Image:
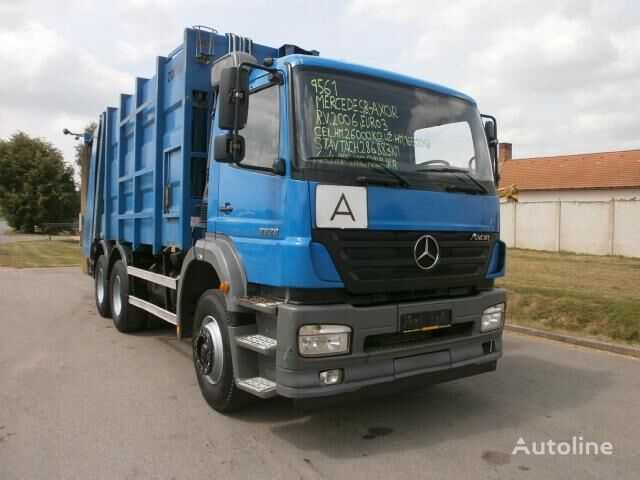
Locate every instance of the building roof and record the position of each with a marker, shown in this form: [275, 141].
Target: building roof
[568, 172]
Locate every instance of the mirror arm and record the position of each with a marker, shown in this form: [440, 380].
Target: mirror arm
[236, 108]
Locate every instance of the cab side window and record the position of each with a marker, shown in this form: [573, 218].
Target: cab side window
[263, 129]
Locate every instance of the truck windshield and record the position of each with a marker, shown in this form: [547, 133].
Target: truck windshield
[427, 139]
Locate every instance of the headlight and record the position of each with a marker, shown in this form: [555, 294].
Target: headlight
[493, 317]
[322, 340]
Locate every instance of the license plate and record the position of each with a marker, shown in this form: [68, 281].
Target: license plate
[424, 321]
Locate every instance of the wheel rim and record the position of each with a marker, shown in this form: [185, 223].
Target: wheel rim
[115, 295]
[209, 350]
[100, 285]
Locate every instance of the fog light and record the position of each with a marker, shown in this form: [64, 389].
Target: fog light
[323, 340]
[493, 317]
[331, 377]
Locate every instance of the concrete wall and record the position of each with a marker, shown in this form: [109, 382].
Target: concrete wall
[537, 225]
[626, 228]
[508, 223]
[584, 227]
[609, 227]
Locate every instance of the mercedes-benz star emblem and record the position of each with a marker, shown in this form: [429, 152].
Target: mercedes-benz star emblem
[426, 252]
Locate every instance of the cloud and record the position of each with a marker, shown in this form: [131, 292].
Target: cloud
[561, 76]
[48, 79]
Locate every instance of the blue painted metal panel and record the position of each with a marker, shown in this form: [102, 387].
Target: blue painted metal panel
[146, 147]
[88, 230]
[291, 258]
[498, 264]
[406, 209]
[286, 259]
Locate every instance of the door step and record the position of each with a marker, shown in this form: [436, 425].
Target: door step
[261, 304]
[258, 386]
[258, 343]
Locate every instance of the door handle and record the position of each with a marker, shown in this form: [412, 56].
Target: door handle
[227, 208]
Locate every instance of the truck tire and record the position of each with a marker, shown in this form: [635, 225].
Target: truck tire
[212, 355]
[102, 287]
[126, 318]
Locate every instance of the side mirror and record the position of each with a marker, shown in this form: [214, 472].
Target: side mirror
[279, 166]
[234, 98]
[490, 131]
[228, 148]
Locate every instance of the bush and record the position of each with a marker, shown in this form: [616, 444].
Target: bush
[36, 186]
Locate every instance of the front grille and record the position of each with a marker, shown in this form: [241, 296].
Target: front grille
[382, 261]
[393, 341]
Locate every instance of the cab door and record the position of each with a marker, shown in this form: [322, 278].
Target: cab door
[250, 199]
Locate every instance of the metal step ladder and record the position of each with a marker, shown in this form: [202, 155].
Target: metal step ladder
[258, 386]
[262, 345]
[255, 349]
[258, 343]
[260, 304]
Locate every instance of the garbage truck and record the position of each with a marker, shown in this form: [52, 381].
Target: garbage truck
[315, 227]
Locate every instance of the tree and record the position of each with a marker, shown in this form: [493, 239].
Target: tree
[36, 186]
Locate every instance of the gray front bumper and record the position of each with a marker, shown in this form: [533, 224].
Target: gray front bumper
[298, 377]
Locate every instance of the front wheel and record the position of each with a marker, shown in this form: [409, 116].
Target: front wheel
[212, 355]
[126, 318]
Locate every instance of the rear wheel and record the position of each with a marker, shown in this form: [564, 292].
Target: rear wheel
[102, 287]
[126, 317]
[212, 355]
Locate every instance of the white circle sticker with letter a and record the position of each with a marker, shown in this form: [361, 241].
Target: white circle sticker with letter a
[338, 206]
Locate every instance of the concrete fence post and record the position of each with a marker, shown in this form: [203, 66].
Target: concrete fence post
[612, 225]
[559, 238]
[515, 224]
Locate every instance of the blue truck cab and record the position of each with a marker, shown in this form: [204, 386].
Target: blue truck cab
[315, 227]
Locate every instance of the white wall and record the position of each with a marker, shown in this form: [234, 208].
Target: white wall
[609, 227]
[537, 225]
[626, 228]
[584, 227]
[508, 223]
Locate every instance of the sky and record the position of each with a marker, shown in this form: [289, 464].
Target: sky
[561, 76]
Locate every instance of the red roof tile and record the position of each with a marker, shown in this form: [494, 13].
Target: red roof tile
[565, 172]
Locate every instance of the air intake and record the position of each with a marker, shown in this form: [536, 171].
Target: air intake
[288, 49]
[236, 43]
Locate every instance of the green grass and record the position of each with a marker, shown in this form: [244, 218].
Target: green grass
[587, 295]
[16, 233]
[40, 253]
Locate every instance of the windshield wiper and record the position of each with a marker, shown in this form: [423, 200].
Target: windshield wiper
[481, 188]
[384, 181]
[383, 165]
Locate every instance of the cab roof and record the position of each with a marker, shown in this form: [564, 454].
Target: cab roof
[321, 62]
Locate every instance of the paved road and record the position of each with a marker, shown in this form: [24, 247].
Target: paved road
[80, 400]
[27, 237]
